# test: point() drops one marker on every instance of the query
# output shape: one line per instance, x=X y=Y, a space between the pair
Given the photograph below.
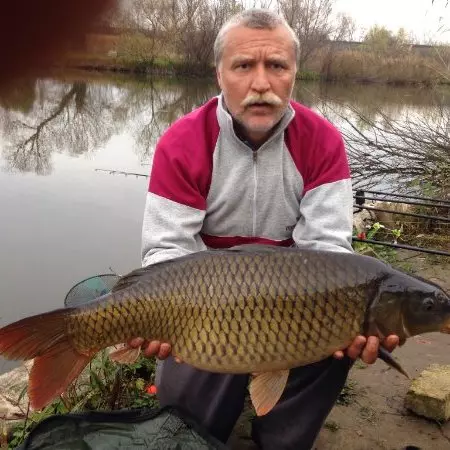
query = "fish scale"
x=222 y=299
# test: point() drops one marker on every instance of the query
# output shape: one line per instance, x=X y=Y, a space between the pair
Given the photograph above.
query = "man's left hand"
x=367 y=348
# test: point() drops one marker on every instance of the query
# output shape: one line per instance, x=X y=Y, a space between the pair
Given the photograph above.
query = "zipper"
x=255 y=188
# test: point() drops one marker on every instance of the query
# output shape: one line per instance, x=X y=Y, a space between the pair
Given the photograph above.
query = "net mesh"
x=89 y=289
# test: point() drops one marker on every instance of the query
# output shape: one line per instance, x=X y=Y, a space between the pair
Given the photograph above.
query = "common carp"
x=253 y=309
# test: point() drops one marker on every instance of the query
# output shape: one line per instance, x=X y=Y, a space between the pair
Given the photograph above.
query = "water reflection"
x=79 y=114
x=73 y=118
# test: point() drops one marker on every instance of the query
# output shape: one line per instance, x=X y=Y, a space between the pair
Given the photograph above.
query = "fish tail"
x=56 y=362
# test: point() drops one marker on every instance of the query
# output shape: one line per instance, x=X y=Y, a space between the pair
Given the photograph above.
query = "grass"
x=348 y=394
x=104 y=385
x=392 y=69
x=332 y=426
x=308 y=75
x=368 y=414
x=360 y=365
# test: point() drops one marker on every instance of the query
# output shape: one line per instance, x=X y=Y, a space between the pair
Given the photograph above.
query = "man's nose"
x=260 y=82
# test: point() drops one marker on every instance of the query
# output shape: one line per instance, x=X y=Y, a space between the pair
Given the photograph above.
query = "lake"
x=61 y=219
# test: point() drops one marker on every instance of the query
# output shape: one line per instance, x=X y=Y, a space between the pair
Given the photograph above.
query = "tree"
x=195 y=24
x=312 y=22
x=410 y=148
x=344 y=29
x=381 y=40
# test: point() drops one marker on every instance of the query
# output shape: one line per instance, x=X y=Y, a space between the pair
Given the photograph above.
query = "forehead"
x=242 y=40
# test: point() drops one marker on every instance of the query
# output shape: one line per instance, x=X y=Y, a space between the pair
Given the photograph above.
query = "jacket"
x=209 y=189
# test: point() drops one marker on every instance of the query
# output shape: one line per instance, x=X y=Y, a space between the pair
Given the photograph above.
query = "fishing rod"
x=403 y=246
x=432 y=205
x=359 y=206
x=413 y=197
x=423 y=216
x=121 y=172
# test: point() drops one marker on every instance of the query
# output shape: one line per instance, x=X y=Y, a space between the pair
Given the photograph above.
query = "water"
x=61 y=220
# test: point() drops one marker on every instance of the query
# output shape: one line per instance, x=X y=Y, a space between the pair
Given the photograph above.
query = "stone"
x=12 y=385
x=363 y=220
x=429 y=393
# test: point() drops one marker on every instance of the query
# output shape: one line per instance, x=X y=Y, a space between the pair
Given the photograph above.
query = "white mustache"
x=269 y=98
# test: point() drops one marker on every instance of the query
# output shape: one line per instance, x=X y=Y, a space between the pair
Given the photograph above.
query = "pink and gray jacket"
x=208 y=189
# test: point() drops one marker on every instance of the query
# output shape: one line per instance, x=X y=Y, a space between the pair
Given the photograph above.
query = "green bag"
x=159 y=429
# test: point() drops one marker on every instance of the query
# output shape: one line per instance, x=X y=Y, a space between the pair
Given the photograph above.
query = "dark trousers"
x=217 y=400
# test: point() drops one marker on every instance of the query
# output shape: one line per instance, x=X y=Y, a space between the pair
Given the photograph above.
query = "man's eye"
x=277 y=66
x=243 y=66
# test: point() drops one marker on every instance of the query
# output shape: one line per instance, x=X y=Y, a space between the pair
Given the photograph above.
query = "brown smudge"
x=34 y=34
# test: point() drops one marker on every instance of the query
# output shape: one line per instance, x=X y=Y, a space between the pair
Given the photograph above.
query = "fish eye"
x=428 y=304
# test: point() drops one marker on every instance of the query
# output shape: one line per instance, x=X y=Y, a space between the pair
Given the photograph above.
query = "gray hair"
x=255 y=18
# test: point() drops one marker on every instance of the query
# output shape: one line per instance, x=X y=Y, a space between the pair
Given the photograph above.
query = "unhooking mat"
x=156 y=429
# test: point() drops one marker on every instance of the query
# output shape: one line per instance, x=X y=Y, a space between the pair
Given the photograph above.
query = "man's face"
x=256 y=75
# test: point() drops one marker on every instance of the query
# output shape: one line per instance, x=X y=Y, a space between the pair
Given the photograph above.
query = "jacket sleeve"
x=326 y=208
x=175 y=204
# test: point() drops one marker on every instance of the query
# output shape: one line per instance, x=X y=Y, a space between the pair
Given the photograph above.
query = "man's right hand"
x=152 y=348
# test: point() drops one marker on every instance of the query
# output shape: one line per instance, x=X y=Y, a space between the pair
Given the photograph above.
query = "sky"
x=419 y=17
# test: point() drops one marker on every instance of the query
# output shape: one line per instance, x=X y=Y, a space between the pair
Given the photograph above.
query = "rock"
x=12 y=385
x=363 y=220
x=390 y=219
x=429 y=393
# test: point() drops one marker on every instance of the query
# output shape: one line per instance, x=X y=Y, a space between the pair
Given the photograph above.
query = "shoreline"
x=180 y=70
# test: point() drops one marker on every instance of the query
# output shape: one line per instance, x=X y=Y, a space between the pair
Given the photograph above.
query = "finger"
x=152 y=348
x=391 y=342
x=339 y=354
x=356 y=347
x=178 y=360
x=164 y=350
x=370 y=352
x=136 y=342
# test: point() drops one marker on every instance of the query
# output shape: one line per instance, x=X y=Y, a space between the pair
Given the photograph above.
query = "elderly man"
x=252 y=166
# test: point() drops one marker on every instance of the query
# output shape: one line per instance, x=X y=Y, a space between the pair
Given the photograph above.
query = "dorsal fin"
x=142 y=273
x=133 y=277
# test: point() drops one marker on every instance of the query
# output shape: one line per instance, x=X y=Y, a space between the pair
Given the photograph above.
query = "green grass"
x=348 y=394
x=104 y=385
x=308 y=75
x=332 y=426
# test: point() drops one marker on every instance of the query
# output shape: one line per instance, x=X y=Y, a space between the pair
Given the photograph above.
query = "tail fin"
x=56 y=363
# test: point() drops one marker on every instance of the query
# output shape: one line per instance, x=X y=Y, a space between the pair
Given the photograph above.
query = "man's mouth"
x=260 y=105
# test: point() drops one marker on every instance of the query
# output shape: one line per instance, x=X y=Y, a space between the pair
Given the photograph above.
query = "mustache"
x=268 y=97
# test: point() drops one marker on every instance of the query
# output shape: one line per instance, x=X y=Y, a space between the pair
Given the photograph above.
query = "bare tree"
x=344 y=29
x=194 y=25
x=312 y=22
x=413 y=147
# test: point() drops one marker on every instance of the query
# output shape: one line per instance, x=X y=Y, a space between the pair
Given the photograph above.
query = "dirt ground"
x=373 y=416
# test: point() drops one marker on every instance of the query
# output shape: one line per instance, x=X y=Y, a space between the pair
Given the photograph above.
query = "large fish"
x=253 y=309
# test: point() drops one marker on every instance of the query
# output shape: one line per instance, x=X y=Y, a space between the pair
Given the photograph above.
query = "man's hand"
x=367 y=348
x=153 y=348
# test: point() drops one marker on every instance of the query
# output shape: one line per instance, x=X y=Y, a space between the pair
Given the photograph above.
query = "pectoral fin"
x=266 y=389
x=390 y=361
x=125 y=355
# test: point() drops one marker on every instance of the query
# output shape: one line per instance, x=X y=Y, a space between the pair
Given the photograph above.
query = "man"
x=252 y=166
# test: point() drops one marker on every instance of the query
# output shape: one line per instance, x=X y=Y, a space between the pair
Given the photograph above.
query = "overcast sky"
x=416 y=16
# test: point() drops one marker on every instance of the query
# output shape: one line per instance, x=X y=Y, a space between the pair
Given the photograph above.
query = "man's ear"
x=219 y=78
